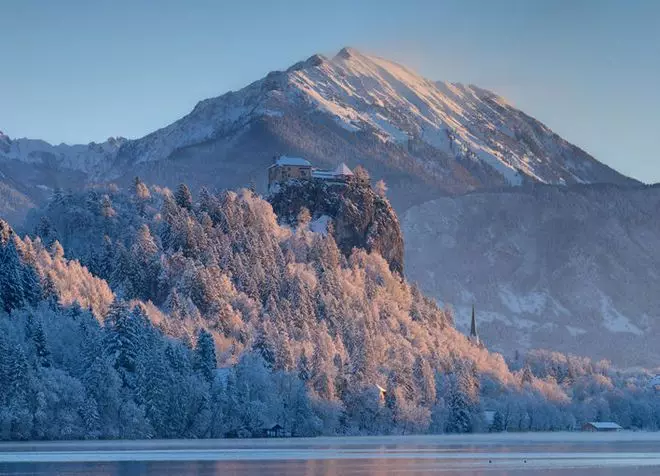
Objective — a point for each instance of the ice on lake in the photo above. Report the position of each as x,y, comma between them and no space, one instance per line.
502,454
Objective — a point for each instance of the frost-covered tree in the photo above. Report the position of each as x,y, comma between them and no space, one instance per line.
124,339
381,188
12,293
498,423
303,367
205,359
190,287
41,345
183,197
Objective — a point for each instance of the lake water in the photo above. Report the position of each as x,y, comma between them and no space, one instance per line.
548,454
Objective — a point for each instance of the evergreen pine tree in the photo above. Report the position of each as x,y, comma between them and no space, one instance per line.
106,264
45,231
123,339
40,344
11,277
32,291
183,197
157,385
463,399
205,200
14,372
459,419
205,358
498,423
263,345
303,367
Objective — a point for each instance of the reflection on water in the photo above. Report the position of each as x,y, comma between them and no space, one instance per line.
374,467
492,455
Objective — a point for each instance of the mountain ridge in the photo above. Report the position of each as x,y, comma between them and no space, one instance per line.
425,138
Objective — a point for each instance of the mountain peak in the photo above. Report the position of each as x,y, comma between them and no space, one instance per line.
347,52
311,62
5,142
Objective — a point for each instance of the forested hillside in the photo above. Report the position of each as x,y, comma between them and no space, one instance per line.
146,313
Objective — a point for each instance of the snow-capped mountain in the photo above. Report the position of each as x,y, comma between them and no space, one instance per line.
93,159
31,169
573,269
457,137
425,138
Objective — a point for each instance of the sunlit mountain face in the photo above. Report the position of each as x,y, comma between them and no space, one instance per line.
425,138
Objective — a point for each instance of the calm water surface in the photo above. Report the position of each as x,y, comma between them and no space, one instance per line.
551,454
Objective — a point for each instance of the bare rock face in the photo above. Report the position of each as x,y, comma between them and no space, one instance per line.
360,218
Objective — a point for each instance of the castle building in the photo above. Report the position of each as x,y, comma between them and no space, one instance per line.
294,168
286,168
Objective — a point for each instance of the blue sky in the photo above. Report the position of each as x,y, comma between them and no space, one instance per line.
77,71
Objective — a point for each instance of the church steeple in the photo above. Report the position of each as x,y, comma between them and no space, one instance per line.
474,336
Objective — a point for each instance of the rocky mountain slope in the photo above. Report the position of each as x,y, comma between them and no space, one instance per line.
424,138
573,269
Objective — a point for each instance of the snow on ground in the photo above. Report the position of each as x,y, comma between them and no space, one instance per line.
532,303
392,132
575,331
90,158
613,320
320,225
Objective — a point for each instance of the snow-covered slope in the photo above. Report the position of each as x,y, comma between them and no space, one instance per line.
567,268
93,159
373,98
425,138
31,169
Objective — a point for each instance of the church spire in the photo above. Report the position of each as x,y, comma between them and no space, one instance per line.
474,336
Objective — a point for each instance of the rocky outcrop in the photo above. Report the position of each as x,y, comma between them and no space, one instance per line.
360,218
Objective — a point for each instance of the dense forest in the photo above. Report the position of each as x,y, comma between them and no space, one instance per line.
150,314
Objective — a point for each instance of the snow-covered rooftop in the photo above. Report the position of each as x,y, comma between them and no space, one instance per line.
324,174
605,425
295,161
342,169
